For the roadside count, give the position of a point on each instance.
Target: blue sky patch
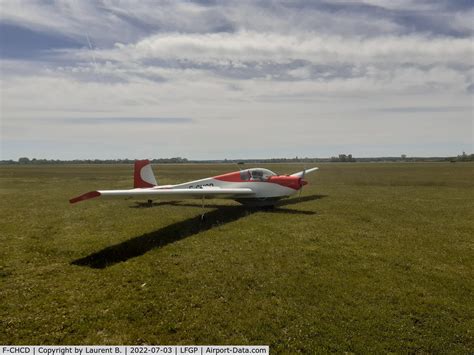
(23, 43)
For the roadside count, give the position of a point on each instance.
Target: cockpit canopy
(256, 174)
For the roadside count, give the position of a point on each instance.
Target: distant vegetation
(26, 160)
(465, 157)
(341, 158)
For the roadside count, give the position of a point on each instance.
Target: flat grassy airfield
(373, 258)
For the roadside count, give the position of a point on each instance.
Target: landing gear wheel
(150, 203)
(202, 206)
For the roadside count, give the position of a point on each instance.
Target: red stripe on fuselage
(292, 182)
(231, 177)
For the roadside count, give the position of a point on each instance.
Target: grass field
(373, 258)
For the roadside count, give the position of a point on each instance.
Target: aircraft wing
(154, 193)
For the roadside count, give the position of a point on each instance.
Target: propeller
(302, 184)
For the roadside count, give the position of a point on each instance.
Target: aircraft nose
(302, 182)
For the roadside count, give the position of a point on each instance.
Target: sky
(236, 79)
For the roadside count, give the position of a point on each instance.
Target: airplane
(255, 187)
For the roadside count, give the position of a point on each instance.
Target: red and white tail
(143, 175)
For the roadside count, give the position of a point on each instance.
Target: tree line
(341, 158)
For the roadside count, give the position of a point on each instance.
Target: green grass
(374, 258)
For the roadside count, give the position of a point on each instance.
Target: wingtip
(86, 196)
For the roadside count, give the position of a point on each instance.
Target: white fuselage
(262, 189)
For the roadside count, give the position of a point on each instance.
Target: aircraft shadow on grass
(177, 231)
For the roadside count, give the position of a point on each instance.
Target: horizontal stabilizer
(85, 196)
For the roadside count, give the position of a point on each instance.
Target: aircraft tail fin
(143, 175)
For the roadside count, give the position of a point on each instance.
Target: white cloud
(254, 78)
(400, 4)
(269, 47)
